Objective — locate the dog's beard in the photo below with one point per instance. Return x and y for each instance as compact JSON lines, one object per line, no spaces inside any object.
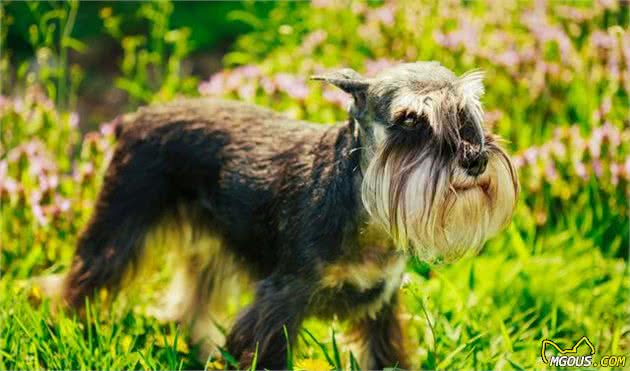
{"x":431,"y":207}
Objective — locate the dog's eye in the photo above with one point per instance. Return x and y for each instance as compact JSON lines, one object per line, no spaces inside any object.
{"x":409,"y":122}
{"x":412,"y":121}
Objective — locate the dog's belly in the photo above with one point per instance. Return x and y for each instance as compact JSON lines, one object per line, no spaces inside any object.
{"x":358,"y":288}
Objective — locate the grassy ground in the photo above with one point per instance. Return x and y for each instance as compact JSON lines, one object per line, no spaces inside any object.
{"x":557,"y":89}
{"x":488,"y":312}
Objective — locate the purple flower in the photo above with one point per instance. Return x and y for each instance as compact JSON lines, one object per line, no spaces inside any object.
{"x":595,"y":144}
{"x":63,"y":204}
{"x":602,"y":40}
{"x":538,"y":24}
{"x":109,"y":128}
{"x":492,"y":117}
{"x":295,"y":87}
{"x":9,"y":186}
{"x":372,"y":67}
{"x":384,"y":14}
{"x":313,"y":40}
{"x":48,"y":182}
{"x":530,"y":155}
{"x":268,"y":85}
{"x":38,"y":213}
{"x":336,"y":96}
{"x":580,"y":170}
{"x":509,"y":58}
{"x":248,"y":71}
{"x":74,"y":120}
{"x":215,"y":86}
{"x":4,"y":169}
{"x":466,"y":36}
{"x":550,"y":171}
{"x":615,"y":171}
{"x":247,"y":92}
{"x":597,"y":167}
{"x":607,"y":3}
{"x":558,"y":148}
{"x":233,"y":80}
{"x":323,"y":4}
{"x":18,"y":105}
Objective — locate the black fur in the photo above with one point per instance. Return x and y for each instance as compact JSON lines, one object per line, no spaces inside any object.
{"x":382,"y":339}
{"x":283,"y":196}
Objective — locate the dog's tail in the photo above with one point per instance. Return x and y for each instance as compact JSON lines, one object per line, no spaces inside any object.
{"x":133,"y":197}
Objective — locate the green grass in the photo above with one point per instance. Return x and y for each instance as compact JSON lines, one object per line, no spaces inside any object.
{"x":488,"y":312}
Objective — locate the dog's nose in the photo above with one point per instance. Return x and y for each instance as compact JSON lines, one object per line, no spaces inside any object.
{"x":477,"y":165}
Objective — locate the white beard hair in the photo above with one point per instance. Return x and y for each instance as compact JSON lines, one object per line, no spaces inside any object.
{"x":454,"y":223}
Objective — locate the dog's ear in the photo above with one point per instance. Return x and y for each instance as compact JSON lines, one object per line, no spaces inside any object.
{"x":349,"y":81}
{"x":345,"y":79}
{"x":470,"y":85}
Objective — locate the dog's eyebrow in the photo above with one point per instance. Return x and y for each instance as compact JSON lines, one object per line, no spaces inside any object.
{"x":402,"y":113}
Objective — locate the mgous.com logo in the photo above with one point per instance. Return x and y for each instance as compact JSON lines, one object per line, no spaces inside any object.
{"x":582,"y":354}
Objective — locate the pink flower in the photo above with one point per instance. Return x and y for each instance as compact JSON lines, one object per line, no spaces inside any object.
{"x":372,"y":67}
{"x":38,"y":213}
{"x":558,"y":148}
{"x":292,"y":85}
{"x":595,"y":144}
{"x":4,"y":169}
{"x":9,"y":185}
{"x":509,"y":58}
{"x":550,"y":171}
{"x":322,"y":3}
{"x":268,"y":85}
{"x":597,"y":167}
{"x":74,"y":120}
{"x":530,"y":155}
{"x":215,"y":86}
{"x":384,"y":14}
{"x":336,"y":96}
{"x":615,"y":171}
{"x":248,"y":71}
{"x":247,"y":92}
{"x":313,"y":40}
{"x":580,"y":170}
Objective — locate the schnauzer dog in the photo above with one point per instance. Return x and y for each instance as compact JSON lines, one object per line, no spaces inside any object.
{"x":321,"y":218}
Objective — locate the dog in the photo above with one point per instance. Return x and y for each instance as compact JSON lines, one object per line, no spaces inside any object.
{"x":321,"y":219}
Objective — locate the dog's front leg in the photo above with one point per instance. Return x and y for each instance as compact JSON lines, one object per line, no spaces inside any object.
{"x":382,"y":339}
{"x":280,"y":304}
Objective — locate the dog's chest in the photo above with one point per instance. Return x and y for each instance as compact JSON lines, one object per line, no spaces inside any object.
{"x":364,"y":279}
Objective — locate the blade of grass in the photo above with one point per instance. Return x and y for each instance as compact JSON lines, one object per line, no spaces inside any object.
{"x":321,"y":347}
{"x":289,"y":352}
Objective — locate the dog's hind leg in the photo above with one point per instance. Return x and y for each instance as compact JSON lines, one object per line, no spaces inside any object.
{"x":217,"y":285}
{"x":133,"y":197}
{"x":205,"y":282}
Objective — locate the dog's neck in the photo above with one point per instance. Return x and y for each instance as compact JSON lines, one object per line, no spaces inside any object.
{"x":366,"y":141}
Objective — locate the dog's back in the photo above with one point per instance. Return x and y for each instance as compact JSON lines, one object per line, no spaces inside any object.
{"x":240,"y":172}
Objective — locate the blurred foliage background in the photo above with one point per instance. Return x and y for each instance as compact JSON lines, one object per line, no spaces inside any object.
{"x":557,"y":82}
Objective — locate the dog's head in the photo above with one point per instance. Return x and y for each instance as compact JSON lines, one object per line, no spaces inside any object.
{"x":433,"y":176}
